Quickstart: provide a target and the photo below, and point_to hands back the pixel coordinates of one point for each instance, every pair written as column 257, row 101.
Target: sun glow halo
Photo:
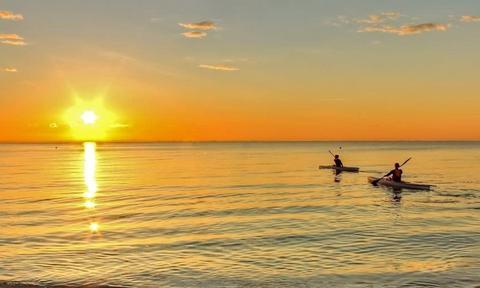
column 90, row 120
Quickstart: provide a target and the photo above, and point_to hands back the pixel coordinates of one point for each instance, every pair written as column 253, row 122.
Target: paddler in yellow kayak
column 338, row 162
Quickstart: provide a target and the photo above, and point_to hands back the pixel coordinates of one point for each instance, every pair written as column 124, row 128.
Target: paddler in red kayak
column 395, row 173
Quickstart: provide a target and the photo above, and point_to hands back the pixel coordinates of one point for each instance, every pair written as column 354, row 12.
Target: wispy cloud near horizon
column 391, row 23
column 195, row 34
column 14, row 42
column 199, row 27
column 10, row 69
column 12, row 39
column 203, row 25
column 406, row 30
column 219, row 67
column 8, row 15
column 470, row 18
column 379, row 18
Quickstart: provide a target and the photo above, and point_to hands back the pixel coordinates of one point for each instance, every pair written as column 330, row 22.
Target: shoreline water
column 228, row 215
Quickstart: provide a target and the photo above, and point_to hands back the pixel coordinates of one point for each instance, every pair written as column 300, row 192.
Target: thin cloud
column 10, row 69
column 470, row 18
column 203, row 25
column 194, row 34
column 389, row 22
column 14, row 42
column 379, row 18
column 10, row 37
column 406, row 30
column 219, row 67
column 8, row 15
column 420, row 28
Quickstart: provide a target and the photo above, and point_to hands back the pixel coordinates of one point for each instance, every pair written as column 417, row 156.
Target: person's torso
column 397, row 174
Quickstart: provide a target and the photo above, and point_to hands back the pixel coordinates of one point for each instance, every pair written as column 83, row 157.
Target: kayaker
column 396, row 173
column 338, row 162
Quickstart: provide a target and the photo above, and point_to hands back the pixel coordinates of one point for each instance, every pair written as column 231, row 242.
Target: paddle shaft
column 405, row 161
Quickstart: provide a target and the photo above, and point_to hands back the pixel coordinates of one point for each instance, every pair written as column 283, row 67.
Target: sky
column 239, row 70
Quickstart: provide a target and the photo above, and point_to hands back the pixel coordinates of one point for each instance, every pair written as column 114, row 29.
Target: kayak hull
column 347, row 169
column 399, row 185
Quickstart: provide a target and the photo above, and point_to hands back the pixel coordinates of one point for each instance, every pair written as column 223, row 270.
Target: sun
column 89, row 117
column 90, row 120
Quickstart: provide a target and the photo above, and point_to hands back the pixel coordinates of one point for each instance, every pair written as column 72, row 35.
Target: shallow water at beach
column 238, row 215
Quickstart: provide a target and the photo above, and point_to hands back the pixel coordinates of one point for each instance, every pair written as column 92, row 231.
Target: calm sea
column 238, row 215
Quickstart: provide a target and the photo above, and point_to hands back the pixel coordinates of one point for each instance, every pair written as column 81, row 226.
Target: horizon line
column 236, row 141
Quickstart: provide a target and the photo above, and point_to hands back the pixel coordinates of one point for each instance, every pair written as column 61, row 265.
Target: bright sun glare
column 90, row 120
column 89, row 117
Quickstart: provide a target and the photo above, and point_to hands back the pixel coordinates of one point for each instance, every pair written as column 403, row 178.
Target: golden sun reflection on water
column 89, row 204
column 94, row 226
column 89, row 174
column 89, row 166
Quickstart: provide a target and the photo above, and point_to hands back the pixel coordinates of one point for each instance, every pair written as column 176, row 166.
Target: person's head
column 336, row 156
column 397, row 165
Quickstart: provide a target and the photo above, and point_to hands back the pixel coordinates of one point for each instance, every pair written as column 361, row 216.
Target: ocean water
column 238, row 215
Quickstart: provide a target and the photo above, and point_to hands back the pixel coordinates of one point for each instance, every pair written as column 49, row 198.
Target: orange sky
column 168, row 72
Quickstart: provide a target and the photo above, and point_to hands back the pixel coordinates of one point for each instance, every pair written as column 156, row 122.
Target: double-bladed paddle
column 375, row 182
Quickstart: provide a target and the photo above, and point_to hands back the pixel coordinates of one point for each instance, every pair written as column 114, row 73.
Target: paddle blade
column 375, row 182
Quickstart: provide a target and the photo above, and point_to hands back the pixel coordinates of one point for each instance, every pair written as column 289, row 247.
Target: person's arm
column 341, row 163
column 388, row 174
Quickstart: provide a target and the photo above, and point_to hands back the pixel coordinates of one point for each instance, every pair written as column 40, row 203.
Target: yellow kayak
column 344, row 168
